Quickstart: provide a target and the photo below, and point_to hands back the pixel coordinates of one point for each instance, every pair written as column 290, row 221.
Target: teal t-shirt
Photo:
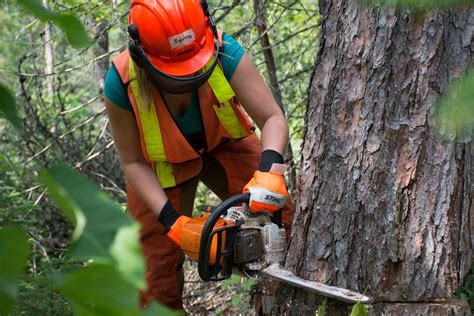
column 190, row 123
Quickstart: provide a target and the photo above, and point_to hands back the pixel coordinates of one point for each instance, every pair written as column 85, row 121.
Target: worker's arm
column 267, row 187
column 138, row 172
column 258, row 102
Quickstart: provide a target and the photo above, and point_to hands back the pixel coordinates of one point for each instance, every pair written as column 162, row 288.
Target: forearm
column 275, row 134
column 143, row 179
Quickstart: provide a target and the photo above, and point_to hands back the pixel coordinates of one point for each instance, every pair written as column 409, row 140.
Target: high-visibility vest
column 163, row 144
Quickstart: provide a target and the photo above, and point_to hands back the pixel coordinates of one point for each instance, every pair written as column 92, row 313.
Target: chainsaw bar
column 277, row 272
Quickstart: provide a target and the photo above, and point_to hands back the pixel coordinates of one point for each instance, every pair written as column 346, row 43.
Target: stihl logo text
column 272, row 199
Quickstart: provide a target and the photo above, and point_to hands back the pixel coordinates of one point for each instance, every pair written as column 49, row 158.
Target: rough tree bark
column 384, row 205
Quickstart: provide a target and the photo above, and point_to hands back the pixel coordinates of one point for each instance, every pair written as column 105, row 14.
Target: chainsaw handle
column 204, row 268
column 221, row 209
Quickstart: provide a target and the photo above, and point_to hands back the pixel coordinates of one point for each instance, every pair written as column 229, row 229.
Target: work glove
column 173, row 222
column 267, row 188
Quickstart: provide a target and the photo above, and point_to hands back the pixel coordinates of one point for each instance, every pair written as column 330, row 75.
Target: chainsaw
column 231, row 237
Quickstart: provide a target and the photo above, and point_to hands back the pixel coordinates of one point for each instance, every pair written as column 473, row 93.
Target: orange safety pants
column 226, row 170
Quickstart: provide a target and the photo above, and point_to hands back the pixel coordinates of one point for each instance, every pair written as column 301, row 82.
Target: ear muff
column 205, row 8
column 136, row 53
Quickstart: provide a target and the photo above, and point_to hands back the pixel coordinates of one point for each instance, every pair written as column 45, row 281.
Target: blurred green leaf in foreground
column 109, row 284
column 75, row 31
column 13, row 254
column 8, row 107
column 455, row 109
column 103, row 232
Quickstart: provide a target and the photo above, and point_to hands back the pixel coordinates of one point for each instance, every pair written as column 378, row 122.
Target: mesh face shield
column 178, row 85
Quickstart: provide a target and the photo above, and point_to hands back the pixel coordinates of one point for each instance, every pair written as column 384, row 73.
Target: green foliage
column 322, row 309
column 85, row 204
column 455, row 109
column 466, row 290
column 241, row 287
column 108, row 286
column 99, row 290
column 75, row 32
column 37, row 293
column 127, row 252
column 359, row 309
column 103, row 232
column 155, row 309
column 8, row 108
column 13, row 254
column 236, row 299
column 234, row 279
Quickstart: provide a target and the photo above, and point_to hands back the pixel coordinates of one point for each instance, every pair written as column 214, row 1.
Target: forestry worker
column 177, row 101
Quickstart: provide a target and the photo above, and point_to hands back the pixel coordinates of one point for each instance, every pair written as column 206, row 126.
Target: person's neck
column 178, row 104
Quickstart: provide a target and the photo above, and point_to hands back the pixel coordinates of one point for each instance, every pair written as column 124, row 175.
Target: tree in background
column 385, row 203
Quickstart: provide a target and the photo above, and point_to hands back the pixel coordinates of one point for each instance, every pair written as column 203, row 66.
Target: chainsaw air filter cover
column 248, row 246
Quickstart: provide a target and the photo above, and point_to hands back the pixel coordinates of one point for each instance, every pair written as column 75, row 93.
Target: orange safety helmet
column 173, row 40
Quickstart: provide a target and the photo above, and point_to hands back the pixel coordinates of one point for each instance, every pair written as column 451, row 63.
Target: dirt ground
column 230, row 297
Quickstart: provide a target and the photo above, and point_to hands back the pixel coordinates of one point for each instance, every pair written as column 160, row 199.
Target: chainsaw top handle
column 219, row 242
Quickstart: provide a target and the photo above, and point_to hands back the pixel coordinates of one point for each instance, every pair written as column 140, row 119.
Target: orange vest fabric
column 186, row 162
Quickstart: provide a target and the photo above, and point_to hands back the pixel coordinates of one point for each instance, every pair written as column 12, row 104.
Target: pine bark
column 385, row 205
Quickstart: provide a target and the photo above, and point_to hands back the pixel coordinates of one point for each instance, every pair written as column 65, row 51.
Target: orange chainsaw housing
column 191, row 237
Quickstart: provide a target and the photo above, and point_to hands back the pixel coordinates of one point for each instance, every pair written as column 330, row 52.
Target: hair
column 144, row 88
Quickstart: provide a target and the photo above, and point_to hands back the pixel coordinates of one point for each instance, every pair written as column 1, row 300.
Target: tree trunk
column 101, row 49
column 384, row 204
column 48, row 57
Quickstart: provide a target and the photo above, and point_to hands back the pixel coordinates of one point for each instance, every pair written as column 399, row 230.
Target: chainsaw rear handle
column 221, row 268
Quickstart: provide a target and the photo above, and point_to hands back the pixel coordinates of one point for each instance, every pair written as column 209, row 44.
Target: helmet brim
column 189, row 66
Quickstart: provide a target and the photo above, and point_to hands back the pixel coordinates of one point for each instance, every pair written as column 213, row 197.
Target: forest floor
column 230, row 297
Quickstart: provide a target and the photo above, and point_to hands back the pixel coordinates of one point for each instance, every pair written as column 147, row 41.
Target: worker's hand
column 173, row 222
column 267, row 190
column 176, row 230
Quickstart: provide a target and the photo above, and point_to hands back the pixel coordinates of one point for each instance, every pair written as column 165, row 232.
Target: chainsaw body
column 232, row 237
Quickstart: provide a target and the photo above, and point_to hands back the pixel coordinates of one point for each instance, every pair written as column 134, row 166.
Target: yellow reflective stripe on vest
column 224, row 111
column 149, row 121
column 229, row 120
column 164, row 172
column 152, row 134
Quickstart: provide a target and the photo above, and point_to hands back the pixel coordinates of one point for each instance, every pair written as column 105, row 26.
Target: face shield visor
column 178, row 85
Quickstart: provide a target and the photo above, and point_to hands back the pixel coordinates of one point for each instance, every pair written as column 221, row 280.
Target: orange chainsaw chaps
column 191, row 237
